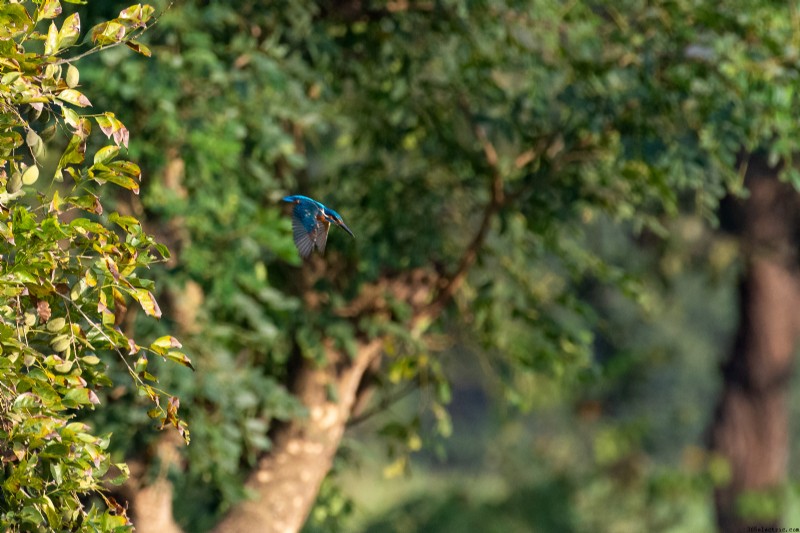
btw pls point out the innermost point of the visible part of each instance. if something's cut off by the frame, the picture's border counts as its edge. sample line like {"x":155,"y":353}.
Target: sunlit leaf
{"x":180,"y":358}
{"x":48,"y":9}
{"x":30,"y":175}
{"x":105,"y":154}
{"x":51,"y":41}
{"x":69,"y":32}
{"x":163,"y":344}
{"x":14,"y":20}
{"x":73,"y":76}
{"x":138,"y":14}
{"x":74,"y":97}
{"x":148,"y":302}
{"x":106,"y":33}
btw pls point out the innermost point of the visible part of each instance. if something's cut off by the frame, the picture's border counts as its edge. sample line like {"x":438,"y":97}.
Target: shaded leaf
{"x":141,"y":48}
{"x":60,"y":343}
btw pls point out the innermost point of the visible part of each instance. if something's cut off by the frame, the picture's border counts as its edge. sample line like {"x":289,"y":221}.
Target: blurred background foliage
{"x":578,"y":362}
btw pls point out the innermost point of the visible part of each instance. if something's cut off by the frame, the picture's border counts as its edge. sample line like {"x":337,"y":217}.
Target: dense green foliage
{"x":69,"y":271}
{"x":418,"y":121}
{"x":399,"y":115}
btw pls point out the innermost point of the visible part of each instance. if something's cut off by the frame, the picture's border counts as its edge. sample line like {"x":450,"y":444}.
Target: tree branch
{"x":449,"y":283}
{"x":385,"y":403}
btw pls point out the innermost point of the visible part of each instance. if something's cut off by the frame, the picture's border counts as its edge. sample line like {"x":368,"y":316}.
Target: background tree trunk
{"x":150,"y":500}
{"x":750,"y":427}
{"x":287,"y":480}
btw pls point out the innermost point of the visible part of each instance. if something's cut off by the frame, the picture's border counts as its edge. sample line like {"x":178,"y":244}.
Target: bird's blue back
{"x":306,"y":210}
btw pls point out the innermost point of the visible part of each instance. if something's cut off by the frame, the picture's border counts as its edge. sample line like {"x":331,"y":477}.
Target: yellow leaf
{"x":30,"y":175}
{"x":148,"y":302}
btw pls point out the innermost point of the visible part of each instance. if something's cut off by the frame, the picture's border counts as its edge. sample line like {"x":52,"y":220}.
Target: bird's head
{"x":335,"y":218}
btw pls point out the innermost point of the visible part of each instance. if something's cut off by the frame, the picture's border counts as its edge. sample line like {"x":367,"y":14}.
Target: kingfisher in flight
{"x":310,"y":224}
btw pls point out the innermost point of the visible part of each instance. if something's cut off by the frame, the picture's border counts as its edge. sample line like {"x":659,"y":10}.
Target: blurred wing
{"x":302,"y":239}
{"x":321,"y":233}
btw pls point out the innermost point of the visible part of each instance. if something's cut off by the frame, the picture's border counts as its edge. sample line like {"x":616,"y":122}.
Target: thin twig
{"x":385,"y":403}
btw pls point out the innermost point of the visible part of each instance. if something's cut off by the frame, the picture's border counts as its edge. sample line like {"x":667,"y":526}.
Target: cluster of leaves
{"x":69,"y":271}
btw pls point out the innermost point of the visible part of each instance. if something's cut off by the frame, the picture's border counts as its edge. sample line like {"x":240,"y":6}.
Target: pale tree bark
{"x":150,"y":500}
{"x":286,"y":482}
{"x":750,"y":428}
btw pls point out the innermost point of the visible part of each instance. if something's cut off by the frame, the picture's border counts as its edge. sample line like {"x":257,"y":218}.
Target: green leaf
{"x":106,"y":33}
{"x":180,"y":358}
{"x":74,"y":153}
{"x":117,"y":179}
{"x":14,"y":21}
{"x":35,"y":143}
{"x":64,"y":367}
{"x":74,"y":97}
{"x":56,"y":324}
{"x":163,"y":344}
{"x":77,"y":396}
{"x":69,"y":32}
{"x":53,"y":516}
{"x":90,"y":360}
{"x":105,"y":154}
{"x":15,"y":183}
{"x":60,"y":343}
{"x":127,"y":167}
{"x":26,"y":400}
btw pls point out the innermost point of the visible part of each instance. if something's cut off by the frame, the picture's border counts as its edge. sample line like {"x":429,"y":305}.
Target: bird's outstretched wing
{"x":308,"y":230}
{"x":322,"y":235}
{"x":301,"y":238}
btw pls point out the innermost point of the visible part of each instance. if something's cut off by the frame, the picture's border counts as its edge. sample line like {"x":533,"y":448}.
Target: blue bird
{"x":310,"y":223}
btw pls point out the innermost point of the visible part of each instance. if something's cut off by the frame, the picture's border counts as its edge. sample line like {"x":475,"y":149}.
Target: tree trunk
{"x":750,"y":425}
{"x":151,"y":500}
{"x":287,"y":480}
